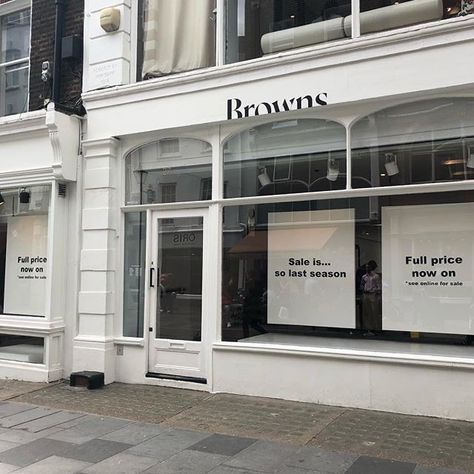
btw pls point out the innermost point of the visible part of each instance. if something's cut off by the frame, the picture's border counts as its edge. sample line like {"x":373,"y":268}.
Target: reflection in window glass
{"x":422,"y":142}
{"x":134,"y":274}
{"x":260,"y":27}
{"x":21,"y":348}
{"x":177,"y":36}
{"x":168,"y":171}
{"x":291,"y":156}
{"x":23,"y":250}
{"x":356,"y":268}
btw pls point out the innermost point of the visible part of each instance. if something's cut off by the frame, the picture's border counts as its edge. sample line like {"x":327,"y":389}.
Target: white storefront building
{"x":284,"y":208}
{"x":38,"y":224}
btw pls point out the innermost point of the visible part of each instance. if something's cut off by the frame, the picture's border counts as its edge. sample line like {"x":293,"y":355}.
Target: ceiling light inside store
{"x":453,"y":162}
{"x":333,"y":170}
{"x":391,"y":166}
{"x":263,"y":177}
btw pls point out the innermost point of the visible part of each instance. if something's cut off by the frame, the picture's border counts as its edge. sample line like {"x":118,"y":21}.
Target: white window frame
{"x":14,"y":6}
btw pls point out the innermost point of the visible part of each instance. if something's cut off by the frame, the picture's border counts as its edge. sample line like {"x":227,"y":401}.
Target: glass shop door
{"x":177,"y":293}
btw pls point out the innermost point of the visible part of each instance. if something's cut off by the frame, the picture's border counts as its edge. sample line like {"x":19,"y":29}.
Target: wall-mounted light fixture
{"x":24,"y":196}
{"x":333,"y":170}
{"x":391,"y":165}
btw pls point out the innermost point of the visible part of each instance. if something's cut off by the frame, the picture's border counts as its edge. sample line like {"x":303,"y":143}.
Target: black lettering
{"x":322,"y":98}
{"x":238,"y":113}
{"x":309,"y":102}
{"x":264,"y":104}
{"x":247,"y":109}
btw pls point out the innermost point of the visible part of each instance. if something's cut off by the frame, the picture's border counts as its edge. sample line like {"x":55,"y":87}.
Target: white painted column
{"x":93,"y":345}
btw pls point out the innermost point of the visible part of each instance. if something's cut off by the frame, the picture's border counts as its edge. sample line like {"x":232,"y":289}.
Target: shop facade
{"x":39,"y":148}
{"x":289,"y":218}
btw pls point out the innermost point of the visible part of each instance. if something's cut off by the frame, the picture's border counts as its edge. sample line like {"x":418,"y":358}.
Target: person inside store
{"x":371,"y":288}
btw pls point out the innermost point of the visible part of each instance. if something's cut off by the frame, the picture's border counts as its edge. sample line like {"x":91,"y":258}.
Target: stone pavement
{"x":56,"y":429}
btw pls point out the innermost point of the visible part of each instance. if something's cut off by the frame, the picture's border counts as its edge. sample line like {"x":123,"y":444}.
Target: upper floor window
{"x":421,"y":142}
{"x":177,"y":36}
{"x":169,"y":170}
{"x":14,"y":59}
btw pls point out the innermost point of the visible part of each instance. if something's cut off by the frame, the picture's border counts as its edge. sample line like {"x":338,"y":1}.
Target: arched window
{"x":290,"y":156}
{"x":169,"y":170}
{"x":422,"y":142}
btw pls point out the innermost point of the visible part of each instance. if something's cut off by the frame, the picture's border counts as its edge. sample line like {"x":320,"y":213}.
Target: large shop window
{"x":170,"y":170}
{"x":175,"y":36}
{"x":422,"y":142}
{"x":134,"y":274}
{"x":395,"y":267}
{"x":14,"y":61}
{"x":258,"y":27}
{"x":291,"y":156}
{"x":24,"y":250}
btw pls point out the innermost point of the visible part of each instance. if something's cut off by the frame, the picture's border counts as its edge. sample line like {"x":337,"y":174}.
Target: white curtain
{"x":178,"y":36}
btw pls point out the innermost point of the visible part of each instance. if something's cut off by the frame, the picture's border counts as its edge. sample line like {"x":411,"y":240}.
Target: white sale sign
{"x":26,"y":265}
{"x":311,"y":268}
{"x":427,"y":257}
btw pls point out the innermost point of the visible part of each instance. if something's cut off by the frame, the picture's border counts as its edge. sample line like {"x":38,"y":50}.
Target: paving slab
{"x":323,"y":460}
{"x":95,"y":450}
{"x":54,"y":465}
{"x":122,"y":463}
{"x":168,"y":444}
{"x":48,"y":421}
{"x":26,"y":416}
{"x":188,"y":461}
{"x":11,"y":408}
{"x":37,"y":450}
{"x":222,"y":444}
{"x":369,"y":465}
{"x":7,"y":468}
{"x":134,"y":433}
{"x":262,"y":456}
{"x":88,"y":429}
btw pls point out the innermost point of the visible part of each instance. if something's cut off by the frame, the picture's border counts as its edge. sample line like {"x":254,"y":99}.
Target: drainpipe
{"x":58,"y":37}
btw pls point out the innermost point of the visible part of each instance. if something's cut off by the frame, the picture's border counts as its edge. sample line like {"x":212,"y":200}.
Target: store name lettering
{"x":236,"y":109}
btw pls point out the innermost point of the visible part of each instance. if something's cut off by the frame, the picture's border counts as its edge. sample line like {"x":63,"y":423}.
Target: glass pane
{"x":291,"y":156}
{"x":22,"y":348}
{"x":180,"y":286}
{"x":178,"y":36}
{"x":381,"y":15}
{"x":23,"y":250}
{"x":157,"y":173}
{"x":421,"y":142}
{"x":134,"y":274}
{"x":254,"y":28}
{"x":14,"y":89}
{"x":15,"y":36}
{"x":394,"y":267}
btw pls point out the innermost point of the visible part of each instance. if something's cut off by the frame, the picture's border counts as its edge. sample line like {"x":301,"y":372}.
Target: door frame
{"x":150,"y":306}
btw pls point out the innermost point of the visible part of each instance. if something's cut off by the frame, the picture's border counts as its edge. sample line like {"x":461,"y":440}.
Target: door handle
{"x":152,"y":272}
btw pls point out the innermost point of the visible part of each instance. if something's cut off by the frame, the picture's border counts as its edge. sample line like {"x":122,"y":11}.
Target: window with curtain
{"x":177,"y":36}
